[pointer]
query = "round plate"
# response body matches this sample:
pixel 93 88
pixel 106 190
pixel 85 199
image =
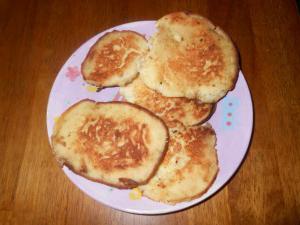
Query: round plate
pixel 232 122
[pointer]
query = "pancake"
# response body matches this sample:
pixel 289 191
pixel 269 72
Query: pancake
pixel 187 111
pixel 104 142
pixel 190 57
pixel 189 167
pixel 114 59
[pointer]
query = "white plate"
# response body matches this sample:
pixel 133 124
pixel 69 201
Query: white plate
pixel 232 122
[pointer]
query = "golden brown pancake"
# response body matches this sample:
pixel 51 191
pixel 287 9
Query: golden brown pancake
pixel 189 167
pixel 187 111
pixel 114 59
pixel 115 143
pixel 190 57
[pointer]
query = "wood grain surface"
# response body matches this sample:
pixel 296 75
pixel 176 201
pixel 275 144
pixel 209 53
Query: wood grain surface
pixel 36 38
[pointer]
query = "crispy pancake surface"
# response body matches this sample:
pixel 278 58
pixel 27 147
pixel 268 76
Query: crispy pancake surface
pixel 190 57
pixel 189 167
pixel 187 111
pixel 115 143
pixel 114 59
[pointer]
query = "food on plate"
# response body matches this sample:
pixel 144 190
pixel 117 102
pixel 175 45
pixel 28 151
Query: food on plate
pixel 155 142
pixel 115 143
pixel 114 59
pixel 187 111
pixel 189 167
pixel 190 57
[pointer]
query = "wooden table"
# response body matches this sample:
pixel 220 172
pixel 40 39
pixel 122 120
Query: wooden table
pixel 38 36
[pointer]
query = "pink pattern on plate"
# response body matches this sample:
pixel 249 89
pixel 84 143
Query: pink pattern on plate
pixel 72 73
pixel 119 97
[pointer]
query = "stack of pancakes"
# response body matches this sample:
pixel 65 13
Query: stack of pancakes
pixel 157 140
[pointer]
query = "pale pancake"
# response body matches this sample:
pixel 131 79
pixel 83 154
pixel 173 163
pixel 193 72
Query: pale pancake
pixel 104 142
pixel 114 59
pixel 187 111
pixel 190 57
pixel 189 167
